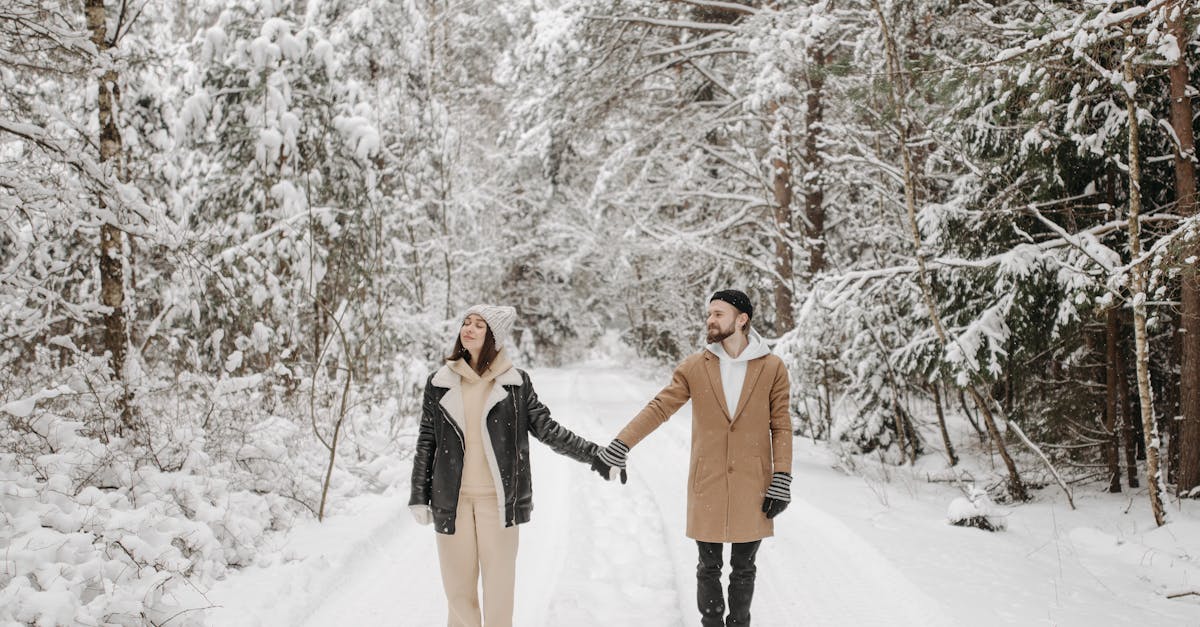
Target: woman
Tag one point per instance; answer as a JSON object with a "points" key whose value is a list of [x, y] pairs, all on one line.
{"points": [[471, 474]]}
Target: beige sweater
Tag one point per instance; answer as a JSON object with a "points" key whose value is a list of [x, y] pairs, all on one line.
{"points": [[476, 476]]}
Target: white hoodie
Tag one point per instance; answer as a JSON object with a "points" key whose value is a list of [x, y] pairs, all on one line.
{"points": [[733, 369]]}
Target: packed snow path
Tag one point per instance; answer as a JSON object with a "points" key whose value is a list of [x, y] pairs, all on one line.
{"points": [[600, 553]]}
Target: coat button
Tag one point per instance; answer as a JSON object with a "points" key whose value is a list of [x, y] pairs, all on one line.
{"points": [[731, 470]]}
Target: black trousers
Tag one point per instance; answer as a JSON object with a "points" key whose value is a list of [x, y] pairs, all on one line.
{"points": [[709, 596]]}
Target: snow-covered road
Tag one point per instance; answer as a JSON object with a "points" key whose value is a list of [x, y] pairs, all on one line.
{"points": [[853, 549], [600, 553]]}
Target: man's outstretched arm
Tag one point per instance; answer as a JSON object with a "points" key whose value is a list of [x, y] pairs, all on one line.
{"points": [[659, 409], [612, 458]]}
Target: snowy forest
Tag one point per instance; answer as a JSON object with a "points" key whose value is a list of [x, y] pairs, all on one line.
{"points": [[235, 236]]}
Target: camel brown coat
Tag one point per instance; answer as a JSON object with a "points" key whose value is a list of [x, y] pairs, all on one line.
{"points": [[733, 454]]}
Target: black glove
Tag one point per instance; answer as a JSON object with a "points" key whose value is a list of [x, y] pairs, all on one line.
{"points": [[610, 459], [779, 494]]}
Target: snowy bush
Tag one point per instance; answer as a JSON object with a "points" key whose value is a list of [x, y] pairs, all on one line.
{"points": [[94, 534], [976, 510], [105, 527], [853, 372], [811, 354]]}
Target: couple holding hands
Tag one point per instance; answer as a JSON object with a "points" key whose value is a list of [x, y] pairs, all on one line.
{"points": [[471, 471]]}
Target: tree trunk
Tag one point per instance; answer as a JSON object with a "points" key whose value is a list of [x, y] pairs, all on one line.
{"points": [[418, 269], [898, 83], [447, 262], [333, 441], [782, 180], [962, 401], [1139, 282], [1130, 434], [1169, 404], [901, 432], [827, 409], [112, 254], [935, 388], [1112, 330], [1016, 487], [1188, 476], [1128, 422], [814, 165]]}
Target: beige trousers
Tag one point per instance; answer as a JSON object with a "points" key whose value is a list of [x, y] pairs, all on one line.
{"points": [[480, 544]]}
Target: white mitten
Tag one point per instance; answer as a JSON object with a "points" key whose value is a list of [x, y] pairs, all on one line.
{"points": [[421, 513]]}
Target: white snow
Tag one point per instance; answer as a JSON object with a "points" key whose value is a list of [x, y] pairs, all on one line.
{"points": [[23, 408], [976, 504], [236, 384], [270, 141], [849, 551], [360, 134]]}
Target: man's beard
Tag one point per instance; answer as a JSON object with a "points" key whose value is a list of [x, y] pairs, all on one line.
{"points": [[717, 334]]}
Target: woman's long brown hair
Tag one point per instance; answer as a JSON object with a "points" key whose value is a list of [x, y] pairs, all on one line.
{"points": [[487, 354]]}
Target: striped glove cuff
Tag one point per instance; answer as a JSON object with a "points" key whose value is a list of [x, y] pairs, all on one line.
{"points": [[615, 454], [781, 487]]}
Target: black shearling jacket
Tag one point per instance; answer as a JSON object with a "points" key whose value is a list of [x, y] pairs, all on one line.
{"points": [[438, 461]]}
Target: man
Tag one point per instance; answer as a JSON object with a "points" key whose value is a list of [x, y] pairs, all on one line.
{"points": [[740, 473]]}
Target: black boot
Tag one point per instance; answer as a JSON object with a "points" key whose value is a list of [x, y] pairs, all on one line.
{"points": [[741, 583], [709, 596]]}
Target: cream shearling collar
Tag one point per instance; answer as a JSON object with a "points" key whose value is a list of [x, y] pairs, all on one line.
{"points": [[452, 400], [447, 378]]}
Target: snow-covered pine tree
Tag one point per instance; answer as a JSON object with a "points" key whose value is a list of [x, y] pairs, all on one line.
{"points": [[278, 189]]}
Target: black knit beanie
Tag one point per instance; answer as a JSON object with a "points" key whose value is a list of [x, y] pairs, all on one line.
{"points": [[738, 299]]}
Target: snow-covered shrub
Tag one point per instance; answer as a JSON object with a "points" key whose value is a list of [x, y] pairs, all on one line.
{"points": [[976, 509], [95, 533], [100, 526], [851, 380], [811, 353]]}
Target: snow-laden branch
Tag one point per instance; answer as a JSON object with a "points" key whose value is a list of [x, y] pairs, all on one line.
{"points": [[749, 202], [866, 158], [691, 60], [37, 136], [712, 79], [695, 239], [728, 7], [856, 278], [1187, 227], [1104, 20], [23, 408], [1016, 428], [676, 235], [100, 179], [1074, 240], [33, 21], [691, 45], [239, 249], [1051, 244], [679, 24]]}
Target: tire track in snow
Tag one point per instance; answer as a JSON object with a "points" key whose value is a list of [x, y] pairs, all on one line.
{"points": [[617, 569], [659, 465], [815, 571], [389, 573]]}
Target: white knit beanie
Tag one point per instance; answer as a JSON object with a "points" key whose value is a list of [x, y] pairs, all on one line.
{"points": [[499, 318]]}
